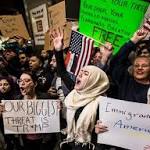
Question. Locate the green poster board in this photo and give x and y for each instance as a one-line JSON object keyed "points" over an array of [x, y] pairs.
{"points": [[111, 20]]}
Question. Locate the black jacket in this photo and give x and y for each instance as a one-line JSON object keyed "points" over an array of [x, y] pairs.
{"points": [[126, 87]]}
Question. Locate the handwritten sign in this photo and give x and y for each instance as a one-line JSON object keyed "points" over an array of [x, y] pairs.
{"points": [[66, 41], [114, 21], [67, 34], [30, 116], [11, 25], [48, 44], [57, 14], [39, 21], [128, 123]]}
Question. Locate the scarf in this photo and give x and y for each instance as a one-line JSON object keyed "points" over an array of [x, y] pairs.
{"points": [[96, 85]]}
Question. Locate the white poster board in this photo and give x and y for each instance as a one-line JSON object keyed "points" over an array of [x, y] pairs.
{"points": [[40, 25], [128, 124], [30, 116]]}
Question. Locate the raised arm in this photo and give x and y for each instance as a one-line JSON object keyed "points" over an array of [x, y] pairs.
{"points": [[120, 62], [57, 36], [106, 51]]}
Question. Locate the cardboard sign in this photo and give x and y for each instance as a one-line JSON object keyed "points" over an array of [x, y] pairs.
{"points": [[128, 123], [57, 14], [11, 25], [111, 20], [48, 44], [57, 18], [40, 25], [67, 35], [30, 116]]}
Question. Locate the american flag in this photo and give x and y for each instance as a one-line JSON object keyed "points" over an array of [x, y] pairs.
{"points": [[147, 25], [79, 53]]}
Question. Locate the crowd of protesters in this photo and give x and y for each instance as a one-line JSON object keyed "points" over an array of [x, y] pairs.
{"points": [[26, 74]]}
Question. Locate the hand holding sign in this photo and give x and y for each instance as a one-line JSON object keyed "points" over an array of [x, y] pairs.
{"points": [[53, 92], [100, 128], [106, 49], [139, 35], [59, 105], [147, 147]]}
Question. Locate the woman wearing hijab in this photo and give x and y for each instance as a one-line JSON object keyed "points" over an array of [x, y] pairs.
{"points": [[82, 107]]}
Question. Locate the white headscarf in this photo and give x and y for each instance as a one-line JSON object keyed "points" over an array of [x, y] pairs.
{"points": [[88, 97]]}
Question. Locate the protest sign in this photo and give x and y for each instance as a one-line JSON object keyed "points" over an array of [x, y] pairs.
{"points": [[128, 123], [57, 14], [13, 25], [67, 34], [114, 21], [30, 116], [39, 21], [48, 44], [66, 39], [57, 18]]}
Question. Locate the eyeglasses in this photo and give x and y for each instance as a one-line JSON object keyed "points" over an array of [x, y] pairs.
{"points": [[24, 80]]}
